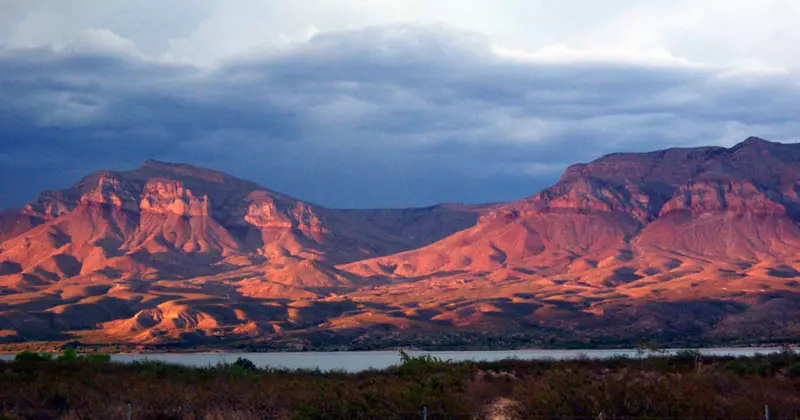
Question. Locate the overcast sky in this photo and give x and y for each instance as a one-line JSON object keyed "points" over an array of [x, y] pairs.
{"points": [[370, 103]]}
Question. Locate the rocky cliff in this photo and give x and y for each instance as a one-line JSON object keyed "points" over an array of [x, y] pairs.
{"points": [[697, 243]]}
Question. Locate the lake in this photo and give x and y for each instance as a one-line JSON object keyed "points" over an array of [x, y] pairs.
{"points": [[356, 361]]}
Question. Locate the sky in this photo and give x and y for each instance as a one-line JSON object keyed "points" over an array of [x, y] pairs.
{"points": [[392, 103]]}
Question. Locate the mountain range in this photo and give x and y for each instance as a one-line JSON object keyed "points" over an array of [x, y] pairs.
{"points": [[681, 246]]}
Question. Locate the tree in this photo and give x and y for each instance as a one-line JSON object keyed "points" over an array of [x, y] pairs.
{"points": [[245, 364]]}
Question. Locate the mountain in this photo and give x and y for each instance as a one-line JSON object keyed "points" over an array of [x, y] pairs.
{"points": [[628, 246], [114, 233], [681, 245], [626, 204]]}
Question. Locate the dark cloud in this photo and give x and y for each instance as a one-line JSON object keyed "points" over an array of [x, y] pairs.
{"points": [[386, 116]]}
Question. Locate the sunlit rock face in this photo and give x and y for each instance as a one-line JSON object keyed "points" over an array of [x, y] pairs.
{"points": [[50, 204], [168, 196], [265, 211], [698, 242], [160, 217], [623, 209], [113, 191], [724, 196]]}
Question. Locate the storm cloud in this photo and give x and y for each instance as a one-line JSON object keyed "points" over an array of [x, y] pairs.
{"points": [[380, 116]]}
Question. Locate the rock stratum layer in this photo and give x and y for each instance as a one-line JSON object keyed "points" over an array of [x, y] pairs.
{"points": [[680, 245]]}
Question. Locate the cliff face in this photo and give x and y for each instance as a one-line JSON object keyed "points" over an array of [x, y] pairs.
{"points": [[681, 241], [616, 201], [164, 212]]}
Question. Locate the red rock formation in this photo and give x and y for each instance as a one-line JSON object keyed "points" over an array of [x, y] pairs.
{"points": [[162, 214], [630, 245]]}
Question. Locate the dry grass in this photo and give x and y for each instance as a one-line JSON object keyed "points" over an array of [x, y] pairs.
{"points": [[683, 386]]}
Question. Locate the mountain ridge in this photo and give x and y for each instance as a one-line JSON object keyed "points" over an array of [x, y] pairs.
{"points": [[683, 242]]}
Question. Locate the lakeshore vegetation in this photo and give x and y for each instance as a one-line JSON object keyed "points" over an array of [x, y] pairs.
{"points": [[683, 385]]}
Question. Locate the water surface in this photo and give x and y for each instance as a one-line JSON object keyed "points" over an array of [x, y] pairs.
{"points": [[355, 361]]}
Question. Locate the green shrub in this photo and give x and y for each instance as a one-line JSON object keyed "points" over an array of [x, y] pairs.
{"points": [[656, 387], [70, 355], [743, 366], [245, 364], [29, 356], [413, 362], [96, 358]]}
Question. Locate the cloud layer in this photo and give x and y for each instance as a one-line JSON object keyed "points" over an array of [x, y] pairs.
{"points": [[376, 116]]}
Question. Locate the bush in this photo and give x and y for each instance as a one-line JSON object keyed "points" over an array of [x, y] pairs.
{"points": [[70, 355], [29, 356], [245, 364], [743, 366], [688, 357], [408, 361], [657, 387], [793, 371], [96, 358]]}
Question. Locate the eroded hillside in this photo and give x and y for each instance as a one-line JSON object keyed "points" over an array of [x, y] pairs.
{"points": [[690, 244]]}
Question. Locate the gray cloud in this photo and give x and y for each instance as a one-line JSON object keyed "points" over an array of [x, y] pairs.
{"points": [[382, 116]]}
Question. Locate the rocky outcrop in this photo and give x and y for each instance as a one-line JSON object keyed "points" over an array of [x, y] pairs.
{"points": [[111, 190], [171, 197], [163, 215], [695, 242], [747, 194], [739, 196]]}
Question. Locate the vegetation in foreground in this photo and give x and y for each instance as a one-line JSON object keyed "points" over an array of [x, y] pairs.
{"points": [[686, 385]]}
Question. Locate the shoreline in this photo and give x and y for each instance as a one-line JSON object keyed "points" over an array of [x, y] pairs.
{"points": [[167, 351]]}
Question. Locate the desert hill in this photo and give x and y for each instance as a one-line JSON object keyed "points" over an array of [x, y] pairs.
{"points": [[694, 244]]}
